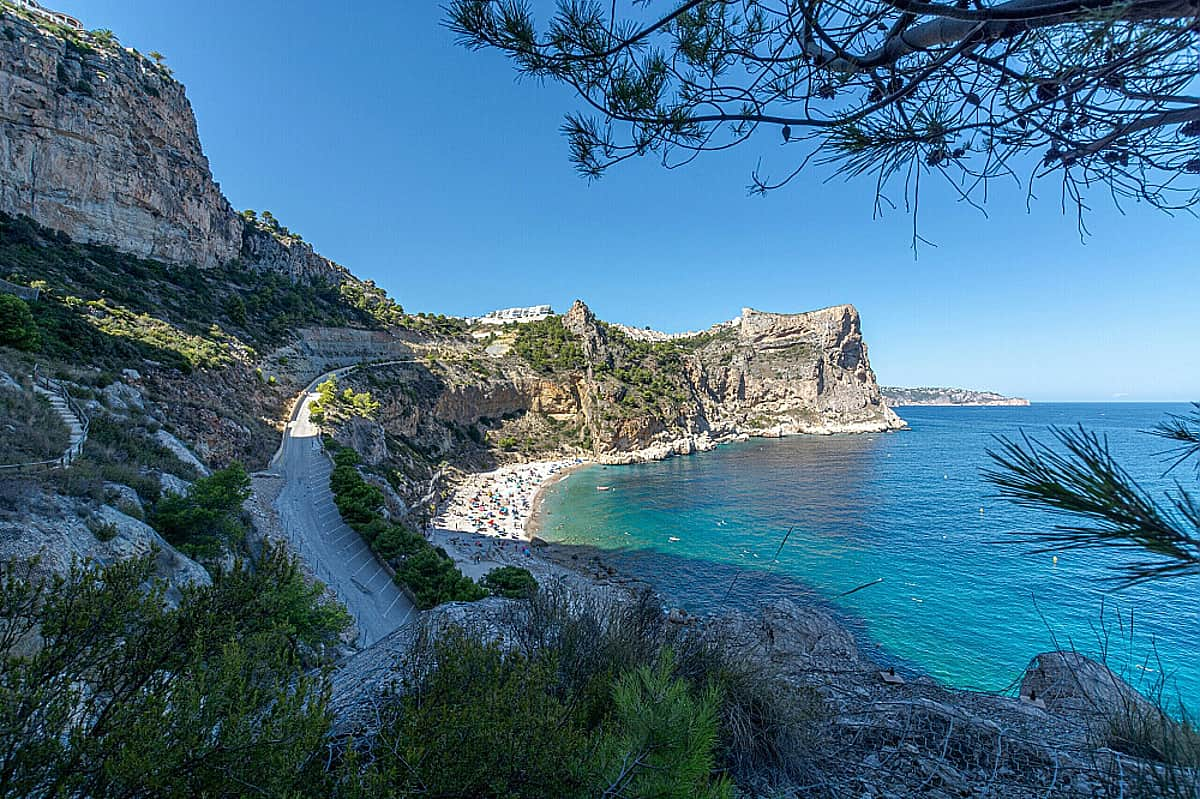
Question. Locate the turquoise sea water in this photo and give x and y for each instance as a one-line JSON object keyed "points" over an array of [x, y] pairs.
{"points": [[910, 508]]}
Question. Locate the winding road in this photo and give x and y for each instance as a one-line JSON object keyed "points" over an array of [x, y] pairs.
{"points": [[335, 554]]}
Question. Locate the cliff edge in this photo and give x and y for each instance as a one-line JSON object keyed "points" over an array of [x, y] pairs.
{"points": [[100, 142]]}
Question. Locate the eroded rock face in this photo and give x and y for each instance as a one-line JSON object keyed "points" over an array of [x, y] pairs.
{"points": [[792, 373], [58, 531], [764, 374], [101, 143]]}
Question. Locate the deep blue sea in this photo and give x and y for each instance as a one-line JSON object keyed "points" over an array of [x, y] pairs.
{"points": [[910, 508]]}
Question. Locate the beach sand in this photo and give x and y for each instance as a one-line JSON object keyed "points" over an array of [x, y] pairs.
{"points": [[485, 522]]}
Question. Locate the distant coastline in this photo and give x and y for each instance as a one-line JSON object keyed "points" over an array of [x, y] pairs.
{"points": [[896, 397]]}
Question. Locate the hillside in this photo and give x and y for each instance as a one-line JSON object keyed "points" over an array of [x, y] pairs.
{"points": [[183, 603], [899, 397]]}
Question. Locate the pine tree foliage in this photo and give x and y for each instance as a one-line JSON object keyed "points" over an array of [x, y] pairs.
{"points": [[1082, 480], [1094, 94]]}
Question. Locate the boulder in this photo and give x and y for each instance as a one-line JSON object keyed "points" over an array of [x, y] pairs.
{"points": [[1072, 684], [121, 397], [180, 450], [59, 531]]}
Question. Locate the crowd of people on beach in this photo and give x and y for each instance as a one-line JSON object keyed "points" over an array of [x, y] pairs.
{"points": [[498, 503]]}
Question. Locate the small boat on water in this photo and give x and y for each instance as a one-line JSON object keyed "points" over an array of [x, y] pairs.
{"points": [[673, 539], [604, 488]]}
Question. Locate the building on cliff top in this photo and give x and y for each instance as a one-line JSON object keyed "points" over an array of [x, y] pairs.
{"points": [[507, 316], [54, 16]]}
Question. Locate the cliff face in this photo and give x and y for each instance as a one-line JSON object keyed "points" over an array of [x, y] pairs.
{"points": [[639, 398], [791, 373], [101, 143]]}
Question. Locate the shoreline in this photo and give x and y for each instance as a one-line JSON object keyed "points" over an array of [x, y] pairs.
{"points": [[504, 502]]}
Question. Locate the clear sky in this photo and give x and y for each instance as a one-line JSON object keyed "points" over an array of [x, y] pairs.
{"points": [[431, 170]]}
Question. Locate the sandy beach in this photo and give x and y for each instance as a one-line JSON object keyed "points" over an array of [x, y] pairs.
{"points": [[485, 522]]}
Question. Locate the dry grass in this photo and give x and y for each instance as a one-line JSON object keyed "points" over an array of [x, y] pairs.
{"points": [[30, 430]]}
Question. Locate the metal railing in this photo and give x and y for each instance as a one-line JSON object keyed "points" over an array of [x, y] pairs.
{"points": [[74, 450]]}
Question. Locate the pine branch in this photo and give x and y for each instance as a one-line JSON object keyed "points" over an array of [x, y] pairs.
{"points": [[1111, 510]]}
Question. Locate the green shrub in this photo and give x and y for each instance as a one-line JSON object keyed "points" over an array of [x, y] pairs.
{"points": [[527, 736], [331, 404], [17, 328], [104, 531], [434, 579], [209, 516], [198, 700], [511, 582], [429, 574]]}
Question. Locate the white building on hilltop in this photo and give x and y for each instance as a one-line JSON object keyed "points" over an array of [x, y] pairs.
{"points": [[509, 316], [54, 16]]}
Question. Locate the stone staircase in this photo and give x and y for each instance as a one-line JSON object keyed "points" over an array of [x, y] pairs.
{"points": [[71, 418]]}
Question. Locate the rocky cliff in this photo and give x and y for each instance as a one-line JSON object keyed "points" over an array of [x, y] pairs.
{"points": [[100, 142], [899, 397], [764, 374], [575, 385]]}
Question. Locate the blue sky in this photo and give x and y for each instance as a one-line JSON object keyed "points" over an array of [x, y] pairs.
{"points": [[433, 171]]}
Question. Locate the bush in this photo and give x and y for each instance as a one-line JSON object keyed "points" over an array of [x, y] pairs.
{"points": [[17, 328], [511, 582], [331, 404], [434, 579], [209, 516], [525, 736], [126, 696]]}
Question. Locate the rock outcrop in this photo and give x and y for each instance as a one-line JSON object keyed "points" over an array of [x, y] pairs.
{"points": [[56, 531], [792, 373], [1070, 684], [99, 142], [764, 374]]}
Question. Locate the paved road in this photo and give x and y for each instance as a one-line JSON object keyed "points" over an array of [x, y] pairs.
{"points": [[336, 554]]}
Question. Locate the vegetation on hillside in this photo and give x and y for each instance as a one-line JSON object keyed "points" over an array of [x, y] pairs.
{"points": [[332, 405], [123, 451], [30, 429], [107, 691], [548, 346], [511, 582], [17, 328], [651, 371], [428, 573], [122, 310], [656, 738], [221, 693], [208, 519]]}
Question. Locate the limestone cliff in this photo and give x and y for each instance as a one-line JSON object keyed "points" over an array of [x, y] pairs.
{"points": [[763, 374], [899, 397], [101, 143], [792, 373], [575, 385]]}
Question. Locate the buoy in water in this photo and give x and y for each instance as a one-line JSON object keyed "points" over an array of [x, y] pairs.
{"points": [[1055, 560]]}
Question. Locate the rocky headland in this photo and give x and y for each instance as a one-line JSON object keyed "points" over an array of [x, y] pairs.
{"points": [[185, 330], [901, 397]]}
